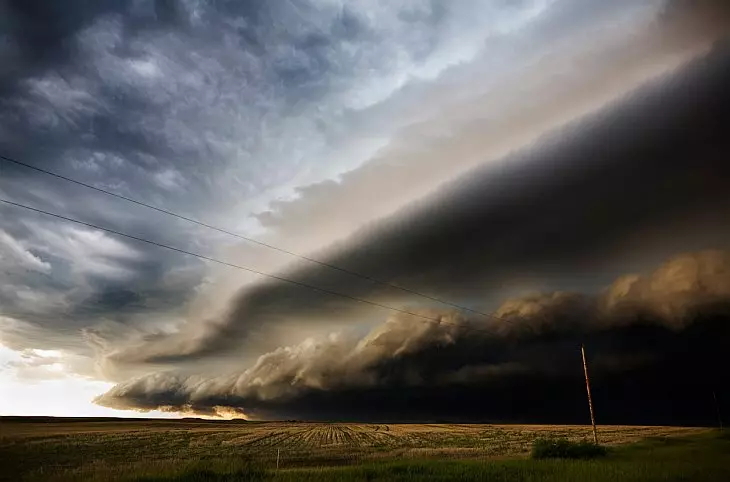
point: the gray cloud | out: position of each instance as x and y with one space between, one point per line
208 108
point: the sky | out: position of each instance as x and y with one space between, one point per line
485 184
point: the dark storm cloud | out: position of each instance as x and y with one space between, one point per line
643 179
707 8
642 332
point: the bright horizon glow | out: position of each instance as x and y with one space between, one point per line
63 395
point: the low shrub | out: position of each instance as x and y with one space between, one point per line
251 473
546 448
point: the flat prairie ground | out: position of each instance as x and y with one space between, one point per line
118 449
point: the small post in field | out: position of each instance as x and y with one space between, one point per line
717 408
278 452
588 389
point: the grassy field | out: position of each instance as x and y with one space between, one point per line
35 449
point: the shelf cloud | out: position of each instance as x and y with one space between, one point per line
447 158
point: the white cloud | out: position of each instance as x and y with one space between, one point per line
91 252
56 102
170 179
15 255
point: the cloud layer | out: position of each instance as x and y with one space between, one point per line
642 195
406 356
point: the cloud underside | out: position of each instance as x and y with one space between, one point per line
641 332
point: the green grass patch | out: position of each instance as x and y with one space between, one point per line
700 459
251 473
561 448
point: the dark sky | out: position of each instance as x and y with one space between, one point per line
490 156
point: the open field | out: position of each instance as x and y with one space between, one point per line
37 449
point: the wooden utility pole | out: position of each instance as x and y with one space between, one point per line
717 408
588 389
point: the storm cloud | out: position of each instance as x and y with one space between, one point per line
514 158
644 179
406 366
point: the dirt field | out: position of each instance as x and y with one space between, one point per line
30 445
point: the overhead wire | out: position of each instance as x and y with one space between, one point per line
244 268
253 240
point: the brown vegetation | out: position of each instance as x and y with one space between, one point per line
106 446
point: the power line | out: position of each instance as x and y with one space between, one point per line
255 241
232 265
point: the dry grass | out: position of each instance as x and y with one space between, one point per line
104 449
